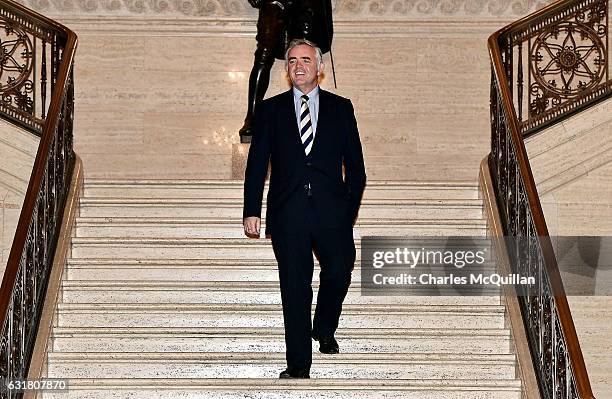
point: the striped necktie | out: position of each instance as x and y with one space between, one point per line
306 132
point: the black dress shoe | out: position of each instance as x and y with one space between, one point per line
295 373
328 345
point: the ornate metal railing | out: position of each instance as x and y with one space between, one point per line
36 62
557 63
564 75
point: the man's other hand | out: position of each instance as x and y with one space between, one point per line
255 3
252 225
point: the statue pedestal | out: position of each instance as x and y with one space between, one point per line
240 152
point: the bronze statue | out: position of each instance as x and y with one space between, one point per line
281 21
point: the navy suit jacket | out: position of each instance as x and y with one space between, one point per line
336 196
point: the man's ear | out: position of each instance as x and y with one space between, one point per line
321 69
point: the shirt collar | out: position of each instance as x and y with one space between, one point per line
312 94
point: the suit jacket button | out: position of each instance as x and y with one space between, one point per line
308 164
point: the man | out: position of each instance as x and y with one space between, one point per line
308 135
279 22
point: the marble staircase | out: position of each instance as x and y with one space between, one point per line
17 153
163 297
571 150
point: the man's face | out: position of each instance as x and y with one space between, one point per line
302 67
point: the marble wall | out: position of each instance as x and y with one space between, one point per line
343 10
10 208
170 106
161 84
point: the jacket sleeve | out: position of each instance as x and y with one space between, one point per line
354 167
257 163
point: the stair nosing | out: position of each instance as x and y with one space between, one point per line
93 181
297 384
200 240
237 203
166 262
251 308
279 357
346 333
147 220
179 285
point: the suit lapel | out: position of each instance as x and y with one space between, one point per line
289 119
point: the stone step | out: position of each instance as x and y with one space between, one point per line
185 270
119 227
564 152
270 315
267 365
168 248
18 149
13 183
249 292
273 388
238 249
232 208
18 138
181 270
206 339
234 189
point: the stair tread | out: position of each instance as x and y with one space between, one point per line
151 220
347 309
263 357
273 331
164 285
176 262
216 263
93 181
191 240
312 384
235 202
171 240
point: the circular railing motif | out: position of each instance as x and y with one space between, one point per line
567 59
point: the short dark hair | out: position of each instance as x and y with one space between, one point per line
299 42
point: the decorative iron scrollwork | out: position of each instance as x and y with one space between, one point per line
514 191
567 59
566 64
560 363
4 349
27 69
595 18
16 65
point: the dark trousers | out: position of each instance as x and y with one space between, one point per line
335 250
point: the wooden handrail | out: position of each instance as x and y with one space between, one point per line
562 308
40 19
49 144
38 170
567 322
